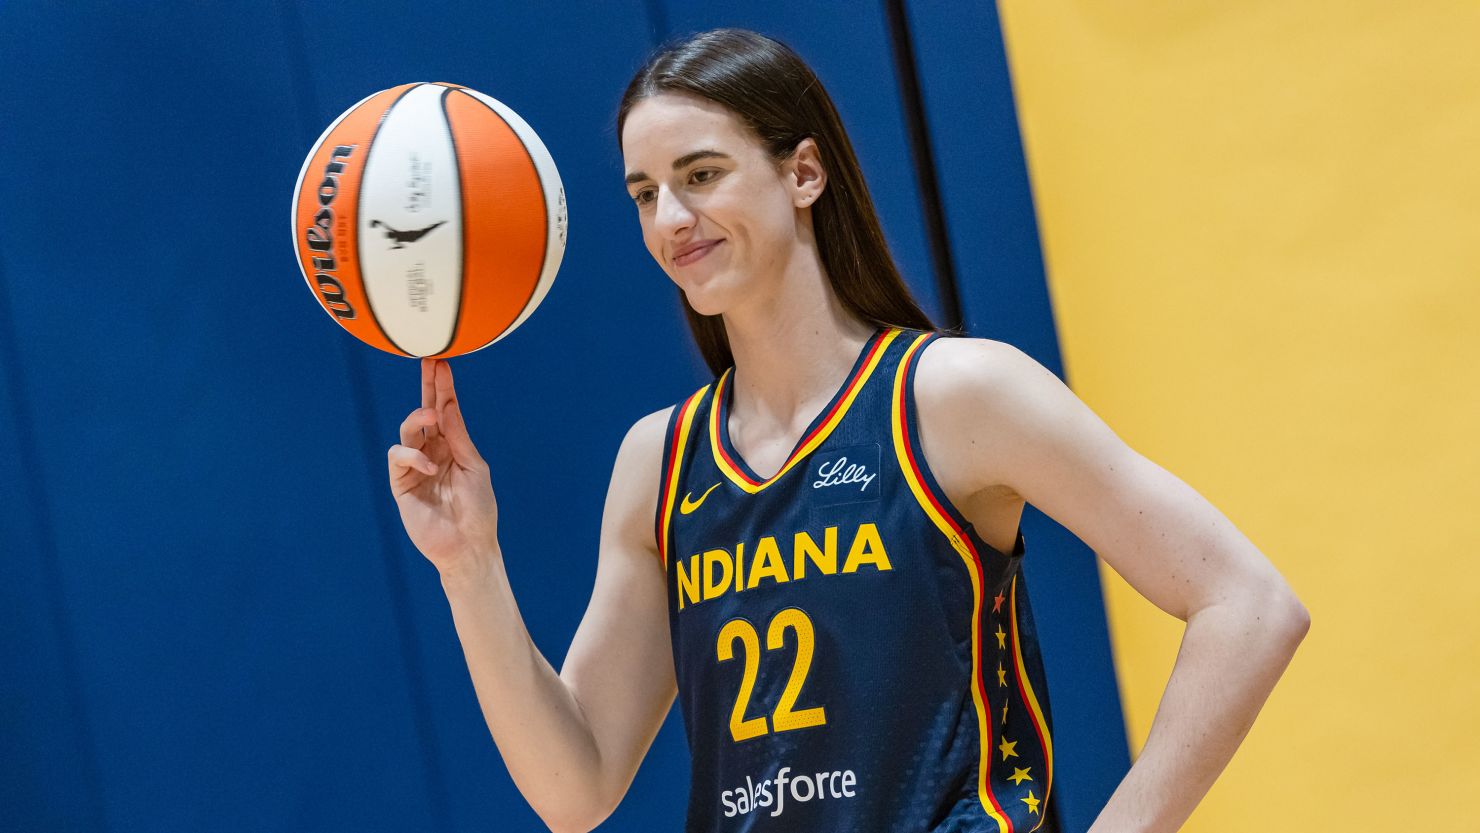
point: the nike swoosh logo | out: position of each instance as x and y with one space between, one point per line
688 505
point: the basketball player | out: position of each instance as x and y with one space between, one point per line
818 552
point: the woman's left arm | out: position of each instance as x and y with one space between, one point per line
1016 425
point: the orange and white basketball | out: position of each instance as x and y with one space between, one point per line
429 220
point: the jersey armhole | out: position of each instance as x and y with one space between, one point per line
932 498
675 441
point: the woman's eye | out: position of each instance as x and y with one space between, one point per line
643 197
706 175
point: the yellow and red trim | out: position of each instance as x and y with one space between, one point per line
673 456
1025 688
734 471
910 466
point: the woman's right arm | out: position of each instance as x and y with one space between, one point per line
572 741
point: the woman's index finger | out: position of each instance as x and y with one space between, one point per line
428 383
443 385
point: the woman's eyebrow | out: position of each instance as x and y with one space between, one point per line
680 162
690 158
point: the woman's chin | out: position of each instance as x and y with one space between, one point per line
703 303
706 299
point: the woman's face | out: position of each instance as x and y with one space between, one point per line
717 213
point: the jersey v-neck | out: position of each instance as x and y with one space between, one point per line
734 466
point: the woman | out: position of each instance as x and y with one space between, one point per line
819 551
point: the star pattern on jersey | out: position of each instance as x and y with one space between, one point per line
1031 802
1008 748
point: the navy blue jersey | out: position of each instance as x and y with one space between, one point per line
850 654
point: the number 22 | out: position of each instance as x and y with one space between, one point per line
784 718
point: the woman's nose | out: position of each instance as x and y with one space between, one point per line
672 215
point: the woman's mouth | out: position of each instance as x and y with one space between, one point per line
694 255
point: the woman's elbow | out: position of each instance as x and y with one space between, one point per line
1290 617
567 823
1268 605
573 817
1300 621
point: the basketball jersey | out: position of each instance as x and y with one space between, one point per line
850 654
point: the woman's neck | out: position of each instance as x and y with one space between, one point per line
793 349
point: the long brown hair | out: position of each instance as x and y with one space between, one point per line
773 92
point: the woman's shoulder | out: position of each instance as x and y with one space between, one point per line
951 369
643 447
649 430
971 395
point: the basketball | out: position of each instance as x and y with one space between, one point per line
429 220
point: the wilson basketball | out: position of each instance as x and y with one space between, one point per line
429 220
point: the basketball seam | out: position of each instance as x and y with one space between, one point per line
544 200
359 204
462 210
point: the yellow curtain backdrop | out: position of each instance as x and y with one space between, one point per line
1261 222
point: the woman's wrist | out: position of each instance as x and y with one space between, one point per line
473 573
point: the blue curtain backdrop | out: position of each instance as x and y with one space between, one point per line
210 617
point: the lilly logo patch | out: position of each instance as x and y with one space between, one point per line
845 475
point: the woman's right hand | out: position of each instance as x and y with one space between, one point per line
441 483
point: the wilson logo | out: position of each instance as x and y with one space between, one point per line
320 236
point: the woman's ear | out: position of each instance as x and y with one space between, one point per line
804 173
